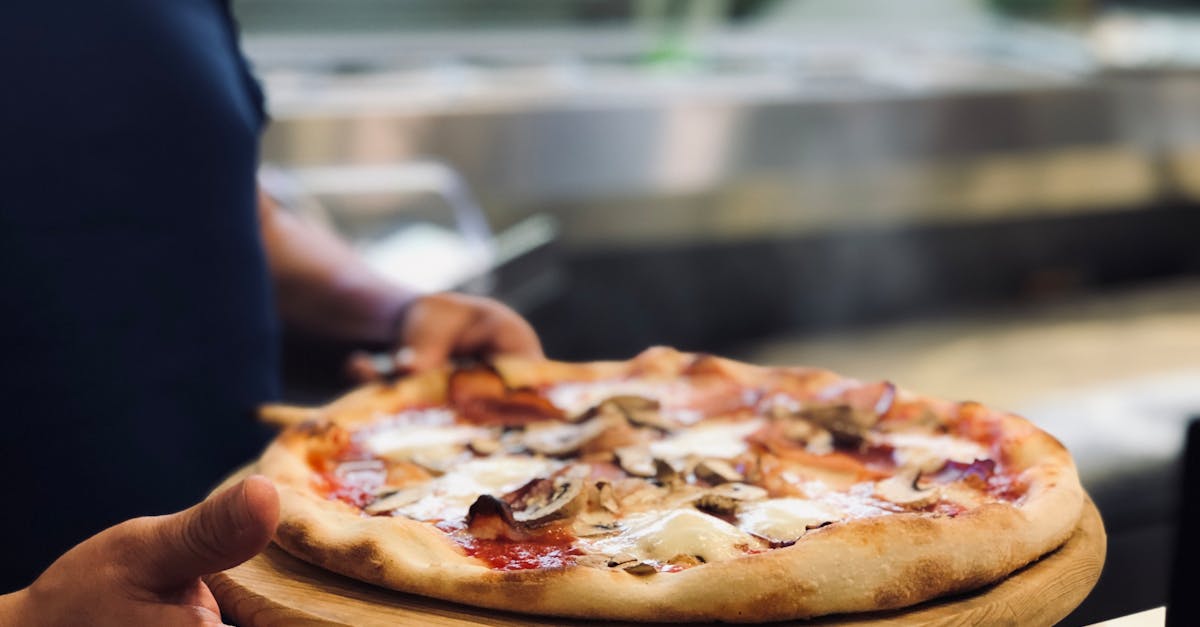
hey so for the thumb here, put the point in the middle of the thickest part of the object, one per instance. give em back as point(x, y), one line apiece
point(221, 532)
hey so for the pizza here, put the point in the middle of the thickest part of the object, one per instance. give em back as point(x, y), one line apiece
point(669, 487)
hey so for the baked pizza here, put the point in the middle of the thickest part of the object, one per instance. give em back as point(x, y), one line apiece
point(670, 487)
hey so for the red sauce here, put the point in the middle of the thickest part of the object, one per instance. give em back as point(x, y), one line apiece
point(354, 482)
point(551, 550)
point(1005, 487)
point(878, 457)
point(947, 508)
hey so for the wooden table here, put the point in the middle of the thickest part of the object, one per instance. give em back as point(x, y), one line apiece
point(275, 589)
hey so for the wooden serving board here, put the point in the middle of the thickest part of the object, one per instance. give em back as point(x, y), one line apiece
point(275, 589)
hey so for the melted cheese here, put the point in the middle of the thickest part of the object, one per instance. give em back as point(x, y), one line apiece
point(714, 439)
point(785, 519)
point(406, 440)
point(452, 493)
point(918, 449)
point(660, 536)
point(575, 398)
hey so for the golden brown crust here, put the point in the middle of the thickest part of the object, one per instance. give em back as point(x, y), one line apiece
point(858, 565)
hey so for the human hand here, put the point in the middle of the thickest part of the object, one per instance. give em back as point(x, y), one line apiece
point(146, 571)
point(440, 326)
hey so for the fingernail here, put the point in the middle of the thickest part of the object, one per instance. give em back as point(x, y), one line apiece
point(405, 358)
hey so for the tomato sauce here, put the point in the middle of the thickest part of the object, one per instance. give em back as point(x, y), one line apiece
point(550, 550)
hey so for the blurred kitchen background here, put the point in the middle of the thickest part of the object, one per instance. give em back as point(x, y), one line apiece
point(987, 199)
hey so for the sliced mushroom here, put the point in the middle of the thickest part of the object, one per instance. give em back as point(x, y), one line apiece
point(666, 474)
point(437, 461)
point(553, 499)
point(636, 461)
point(718, 504)
point(903, 491)
point(621, 560)
point(556, 439)
point(716, 472)
point(725, 499)
point(592, 560)
point(817, 440)
point(847, 425)
point(520, 513)
point(395, 499)
point(606, 497)
point(595, 523)
point(740, 491)
point(639, 411)
point(489, 518)
point(641, 569)
point(484, 446)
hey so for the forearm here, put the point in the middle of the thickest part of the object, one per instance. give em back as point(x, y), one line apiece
point(322, 287)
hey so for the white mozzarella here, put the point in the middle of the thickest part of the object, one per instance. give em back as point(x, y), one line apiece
point(917, 449)
point(713, 439)
point(660, 536)
point(452, 493)
point(403, 441)
point(575, 398)
point(787, 518)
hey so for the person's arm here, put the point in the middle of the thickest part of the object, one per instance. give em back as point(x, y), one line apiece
point(146, 571)
point(325, 290)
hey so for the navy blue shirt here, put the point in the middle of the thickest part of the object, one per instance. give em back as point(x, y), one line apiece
point(137, 330)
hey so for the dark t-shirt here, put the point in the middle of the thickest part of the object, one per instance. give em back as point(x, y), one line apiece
point(137, 331)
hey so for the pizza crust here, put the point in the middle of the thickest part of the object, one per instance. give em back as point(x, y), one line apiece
point(853, 566)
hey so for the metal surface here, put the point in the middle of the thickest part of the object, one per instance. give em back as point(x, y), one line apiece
point(770, 133)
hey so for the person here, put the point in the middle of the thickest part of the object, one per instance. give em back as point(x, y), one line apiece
point(146, 571)
point(146, 282)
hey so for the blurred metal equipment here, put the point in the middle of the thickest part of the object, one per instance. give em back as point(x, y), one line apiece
point(384, 210)
point(766, 132)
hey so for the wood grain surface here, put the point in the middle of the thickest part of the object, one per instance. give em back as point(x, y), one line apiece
point(275, 589)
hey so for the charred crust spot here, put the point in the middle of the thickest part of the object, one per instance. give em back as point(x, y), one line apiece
point(313, 427)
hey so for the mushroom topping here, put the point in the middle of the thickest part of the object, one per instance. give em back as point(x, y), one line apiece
point(639, 411)
point(666, 474)
point(636, 461)
point(592, 560)
point(606, 497)
point(641, 568)
point(547, 500)
point(903, 491)
point(717, 504)
point(740, 491)
point(595, 523)
point(816, 440)
point(484, 446)
point(724, 500)
point(847, 425)
point(558, 439)
point(437, 461)
point(536, 504)
point(716, 472)
point(489, 518)
point(392, 499)
point(622, 559)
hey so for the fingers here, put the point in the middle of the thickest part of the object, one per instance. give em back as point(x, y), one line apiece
point(223, 531)
point(442, 326)
point(514, 336)
point(436, 329)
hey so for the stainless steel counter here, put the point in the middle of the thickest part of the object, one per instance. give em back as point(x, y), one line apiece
point(767, 137)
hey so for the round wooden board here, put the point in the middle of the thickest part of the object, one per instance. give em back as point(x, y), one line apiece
point(275, 589)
